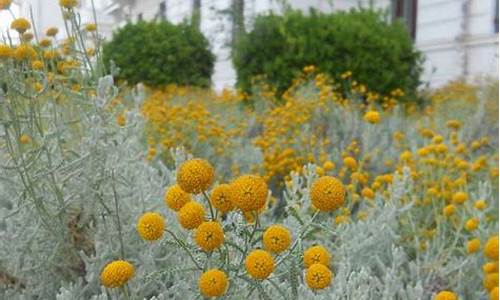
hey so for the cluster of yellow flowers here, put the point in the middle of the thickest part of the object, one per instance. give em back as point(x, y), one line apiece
point(247, 194)
point(194, 124)
point(490, 270)
point(197, 120)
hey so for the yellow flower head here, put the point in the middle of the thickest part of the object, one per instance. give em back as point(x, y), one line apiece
point(473, 246)
point(37, 65)
point(20, 25)
point(249, 192)
point(209, 236)
point(117, 273)
point(24, 52)
point(405, 156)
point(121, 120)
point(90, 27)
point(490, 267)
point(276, 238)
point(327, 193)
point(471, 224)
point(480, 204)
point(195, 175)
point(27, 37)
point(318, 276)
point(6, 51)
point(24, 139)
point(491, 248)
point(350, 163)
point(368, 193)
point(449, 210)
point(151, 226)
point(372, 117)
point(52, 31)
point(316, 255)
point(191, 215)
point(221, 198)
point(446, 295)
point(460, 197)
point(494, 293)
point(453, 124)
point(68, 3)
point(5, 4)
point(490, 281)
point(328, 165)
point(175, 198)
point(45, 43)
point(213, 283)
point(259, 264)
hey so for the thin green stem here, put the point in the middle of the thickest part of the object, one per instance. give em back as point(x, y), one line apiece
point(212, 215)
point(180, 243)
point(117, 213)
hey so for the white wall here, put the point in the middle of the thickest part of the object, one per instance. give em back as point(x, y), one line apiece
point(457, 42)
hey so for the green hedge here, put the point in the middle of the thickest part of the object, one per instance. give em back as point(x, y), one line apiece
point(159, 53)
point(379, 54)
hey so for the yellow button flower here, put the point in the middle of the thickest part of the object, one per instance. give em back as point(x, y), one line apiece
point(276, 238)
point(249, 193)
point(220, 198)
point(449, 210)
point(195, 175)
point(175, 198)
point(494, 293)
point(151, 226)
point(490, 267)
point(209, 236)
point(191, 215)
point(5, 4)
point(117, 273)
point(259, 264)
point(24, 139)
point(372, 117)
point(350, 163)
point(318, 276)
point(327, 193)
point(473, 246)
point(491, 248)
point(328, 165)
point(368, 193)
point(472, 224)
point(20, 25)
point(52, 31)
point(460, 197)
point(316, 255)
point(446, 295)
point(490, 281)
point(213, 283)
point(68, 3)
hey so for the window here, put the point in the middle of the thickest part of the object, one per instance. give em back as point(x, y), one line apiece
point(407, 11)
point(163, 10)
point(139, 17)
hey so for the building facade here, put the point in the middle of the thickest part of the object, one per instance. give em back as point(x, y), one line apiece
point(459, 38)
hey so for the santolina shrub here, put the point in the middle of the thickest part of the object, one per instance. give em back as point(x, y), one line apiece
point(380, 54)
point(348, 197)
point(160, 53)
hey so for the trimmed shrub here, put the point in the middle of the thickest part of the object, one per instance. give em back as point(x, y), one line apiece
point(160, 53)
point(379, 54)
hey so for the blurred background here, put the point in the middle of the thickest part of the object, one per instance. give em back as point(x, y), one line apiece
point(458, 38)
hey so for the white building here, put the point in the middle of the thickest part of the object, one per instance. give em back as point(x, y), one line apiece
point(458, 37)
